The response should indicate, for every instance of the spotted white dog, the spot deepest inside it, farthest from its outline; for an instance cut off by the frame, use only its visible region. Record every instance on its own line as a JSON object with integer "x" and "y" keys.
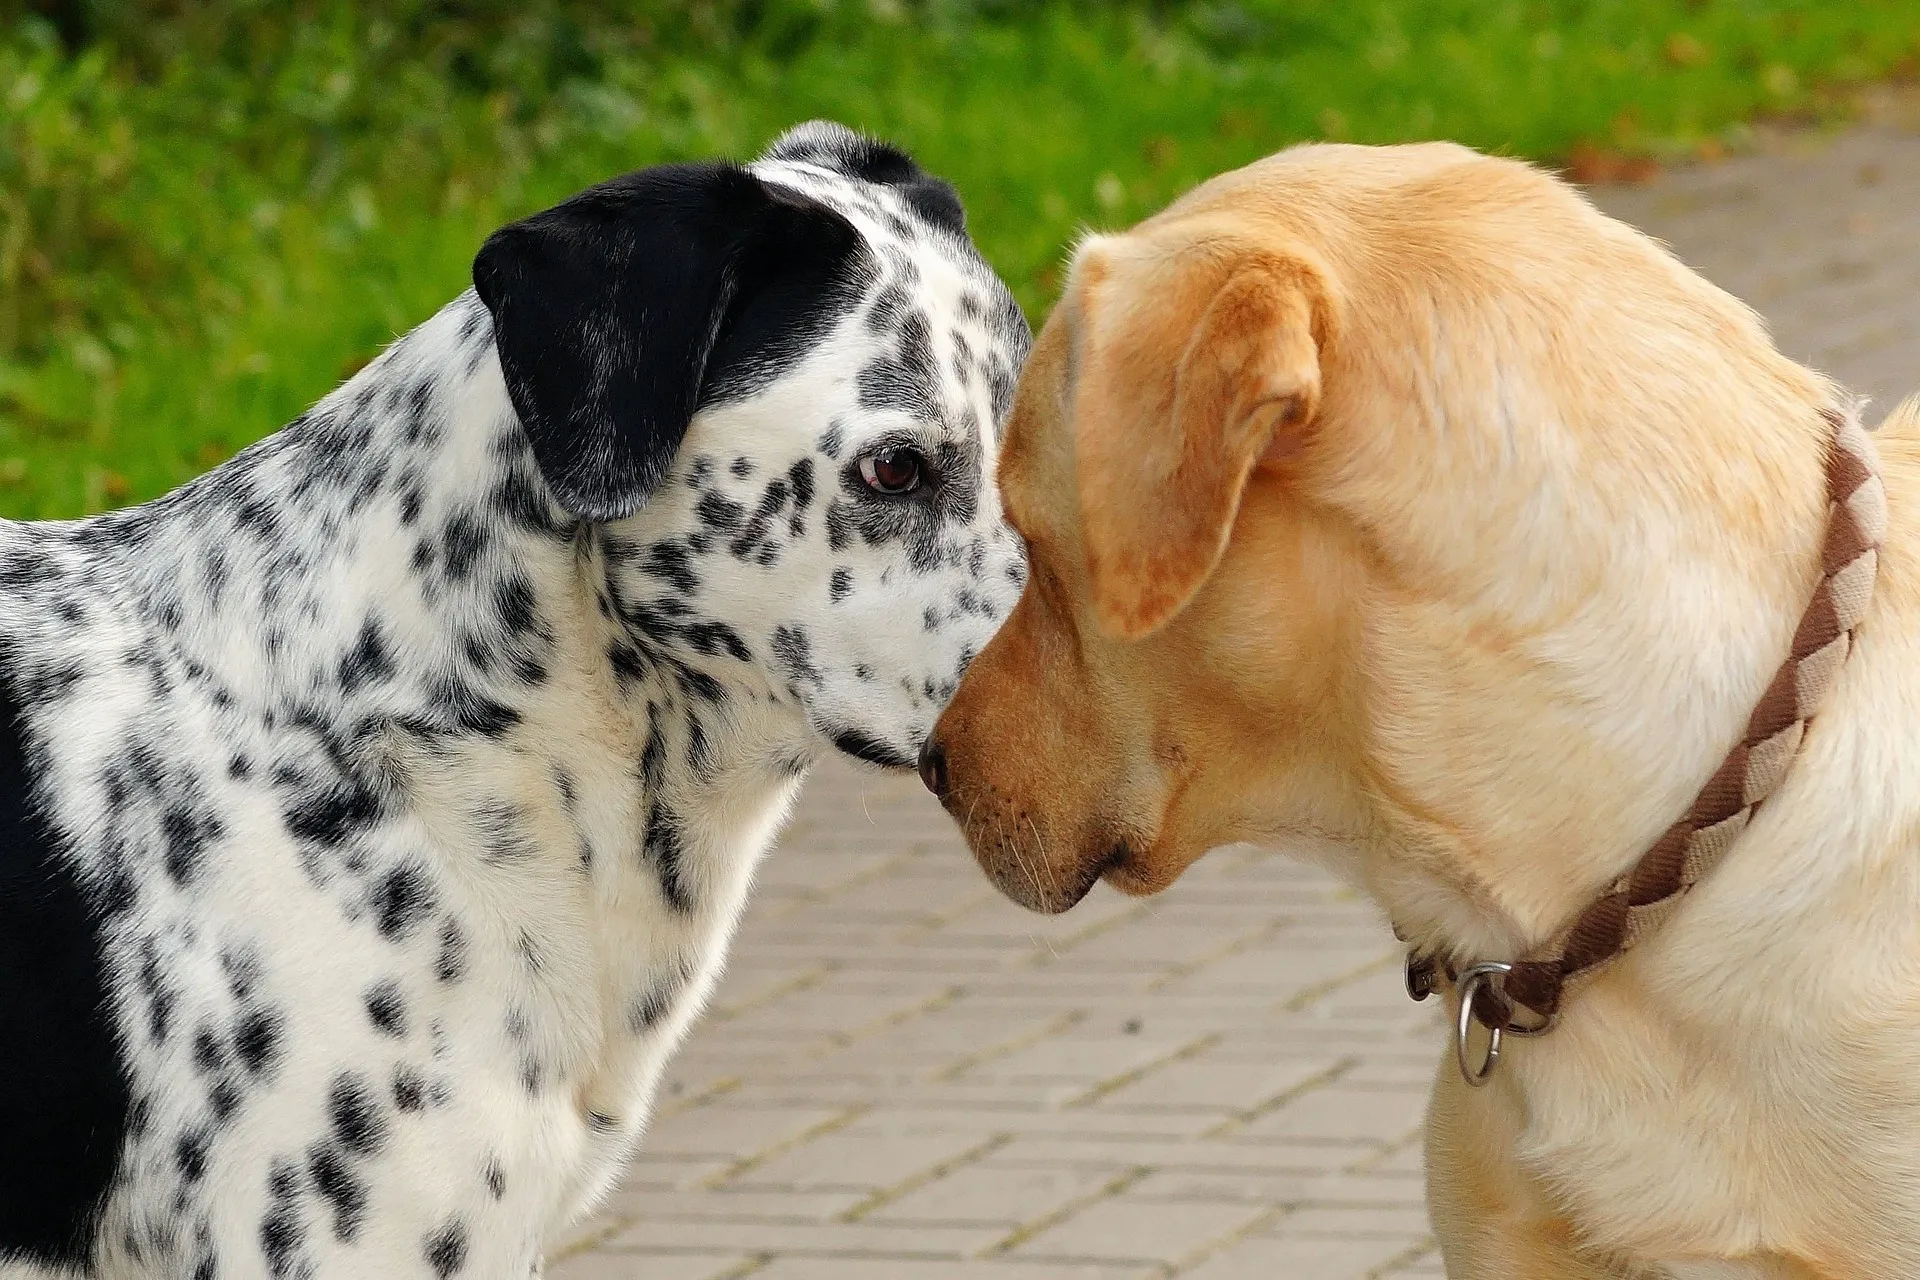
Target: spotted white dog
{"x": 377, "y": 808}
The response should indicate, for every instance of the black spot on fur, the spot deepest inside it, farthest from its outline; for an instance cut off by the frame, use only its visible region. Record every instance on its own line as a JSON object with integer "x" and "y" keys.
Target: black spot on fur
{"x": 282, "y": 1233}
{"x": 664, "y": 848}
{"x": 409, "y": 1090}
{"x": 463, "y": 539}
{"x": 190, "y": 1154}
{"x": 368, "y": 662}
{"x": 187, "y": 831}
{"x": 329, "y": 813}
{"x": 793, "y": 654}
{"x": 357, "y": 1123}
{"x": 450, "y": 965}
{"x": 400, "y": 898}
{"x": 862, "y": 747}
{"x": 446, "y": 1249}
{"x": 387, "y": 1008}
{"x": 334, "y": 1179}
{"x": 256, "y": 1040}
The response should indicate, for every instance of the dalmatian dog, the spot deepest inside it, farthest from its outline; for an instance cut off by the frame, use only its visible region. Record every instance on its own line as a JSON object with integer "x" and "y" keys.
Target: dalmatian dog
{"x": 378, "y": 807}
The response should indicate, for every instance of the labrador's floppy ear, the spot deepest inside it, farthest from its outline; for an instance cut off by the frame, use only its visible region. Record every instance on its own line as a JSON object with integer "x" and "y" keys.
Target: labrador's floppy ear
{"x": 608, "y": 311}
{"x": 1190, "y": 368}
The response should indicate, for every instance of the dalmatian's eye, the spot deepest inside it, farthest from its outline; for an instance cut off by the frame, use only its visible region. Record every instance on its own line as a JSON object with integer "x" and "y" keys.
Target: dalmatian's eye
{"x": 893, "y": 471}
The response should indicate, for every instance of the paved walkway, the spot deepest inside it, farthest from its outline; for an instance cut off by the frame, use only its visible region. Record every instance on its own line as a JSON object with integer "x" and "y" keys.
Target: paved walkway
{"x": 907, "y": 1078}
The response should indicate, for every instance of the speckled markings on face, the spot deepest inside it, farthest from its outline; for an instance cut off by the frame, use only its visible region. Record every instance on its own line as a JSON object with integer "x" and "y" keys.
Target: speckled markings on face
{"x": 378, "y": 822}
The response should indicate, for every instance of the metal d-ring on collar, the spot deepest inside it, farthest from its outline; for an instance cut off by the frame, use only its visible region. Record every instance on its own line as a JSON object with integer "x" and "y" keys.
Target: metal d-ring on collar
{"x": 1423, "y": 979}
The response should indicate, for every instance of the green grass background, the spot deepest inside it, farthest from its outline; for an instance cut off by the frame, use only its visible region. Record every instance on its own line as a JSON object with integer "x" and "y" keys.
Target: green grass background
{"x": 213, "y": 210}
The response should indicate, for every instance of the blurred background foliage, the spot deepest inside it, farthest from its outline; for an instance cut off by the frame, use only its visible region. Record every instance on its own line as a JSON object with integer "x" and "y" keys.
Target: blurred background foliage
{"x": 213, "y": 210}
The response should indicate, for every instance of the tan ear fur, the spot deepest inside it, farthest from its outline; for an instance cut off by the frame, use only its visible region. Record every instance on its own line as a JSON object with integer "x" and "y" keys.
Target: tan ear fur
{"x": 1190, "y": 370}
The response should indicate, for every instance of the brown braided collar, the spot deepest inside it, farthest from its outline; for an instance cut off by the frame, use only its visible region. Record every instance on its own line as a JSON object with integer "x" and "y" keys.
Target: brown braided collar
{"x": 1638, "y": 901}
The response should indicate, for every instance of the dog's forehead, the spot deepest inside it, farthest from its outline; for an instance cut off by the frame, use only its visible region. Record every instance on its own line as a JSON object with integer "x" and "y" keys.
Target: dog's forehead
{"x": 944, "y": 331}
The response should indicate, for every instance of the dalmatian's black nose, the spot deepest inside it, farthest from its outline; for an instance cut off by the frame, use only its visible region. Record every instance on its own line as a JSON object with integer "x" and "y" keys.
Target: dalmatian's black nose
{"x": 933, "y": 769}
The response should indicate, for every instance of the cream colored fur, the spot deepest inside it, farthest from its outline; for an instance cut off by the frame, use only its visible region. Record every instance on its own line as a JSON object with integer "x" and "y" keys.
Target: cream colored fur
{"x": 1480, "y": 620}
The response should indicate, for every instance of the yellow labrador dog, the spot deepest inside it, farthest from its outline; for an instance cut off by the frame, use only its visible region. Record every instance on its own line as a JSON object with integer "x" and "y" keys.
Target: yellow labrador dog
{"x": 1396, "y": 506}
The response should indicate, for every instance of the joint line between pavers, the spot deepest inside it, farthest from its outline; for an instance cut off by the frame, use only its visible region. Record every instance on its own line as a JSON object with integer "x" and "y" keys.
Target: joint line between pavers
{"x": 913, "y": 1182}
{"x": 719, "y": 1088}
{"x": 1301, "y": 999}
{"x": 1021, "y": 1234}
{"x": 758, "y": 1158}
{"x": 1261, "y": 1223}
{"x": 1243, "y": 1118}
{"x": 1101, "y": 1088}
{"x": 814, "y": 897}
{"x": 800, "y": 982}
{"x": 1057, "y": 945}
{"x": 1368, "y": 1163}
{"x": 1412, "y": 1253}
{"x": 1065, "y": 1022}
{"x": 1188, "y": 968}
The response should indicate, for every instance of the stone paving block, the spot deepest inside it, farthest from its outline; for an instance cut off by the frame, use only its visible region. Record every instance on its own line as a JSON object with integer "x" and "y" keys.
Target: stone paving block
{"x": 1272, "y": 1187}
{"x": 1364, "y": 1221}
{"x": 987, "y": 1193}
{"x": 865, "y": 1157}
{"x": 851, "y": 1239}
{"x": 1084, "y": 1059}
{"x": 733, "y": 1132}
{"x": 1337, "y": 1113}
{"x": 731, "y": 1204}
{"x": 1265, "y": 1258}
{"x": 1124, "y": 1229}
{"x": 607, "y": 1265}
{"x": 1221, "y": 1156}
{"x": 1211, "y": 1084}
{"x": 976, "y": 1269}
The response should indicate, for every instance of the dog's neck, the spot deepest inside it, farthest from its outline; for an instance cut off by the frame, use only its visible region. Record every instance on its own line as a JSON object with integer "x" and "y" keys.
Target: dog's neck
{"x": 1673, "y": 687}
{"x": 392, "y": 565}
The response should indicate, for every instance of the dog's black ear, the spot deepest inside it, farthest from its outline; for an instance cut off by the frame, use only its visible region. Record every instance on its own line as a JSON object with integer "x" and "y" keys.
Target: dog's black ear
{"x": 608, "y": 309}
{"x": 834, "y": 146}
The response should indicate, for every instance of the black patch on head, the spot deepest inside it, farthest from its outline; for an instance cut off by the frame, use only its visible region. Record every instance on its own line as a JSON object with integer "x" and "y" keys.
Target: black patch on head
{"x": 64, "y": 1099}
{"x": 618, "y": 313}
{"x": 840, "y": 584}
{"x": 495, "y": 1177}
{"x": 836, "y": 147}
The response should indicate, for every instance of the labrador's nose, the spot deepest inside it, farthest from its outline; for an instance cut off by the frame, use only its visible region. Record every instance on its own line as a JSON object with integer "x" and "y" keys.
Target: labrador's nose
{"x": 933, "y": 769}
